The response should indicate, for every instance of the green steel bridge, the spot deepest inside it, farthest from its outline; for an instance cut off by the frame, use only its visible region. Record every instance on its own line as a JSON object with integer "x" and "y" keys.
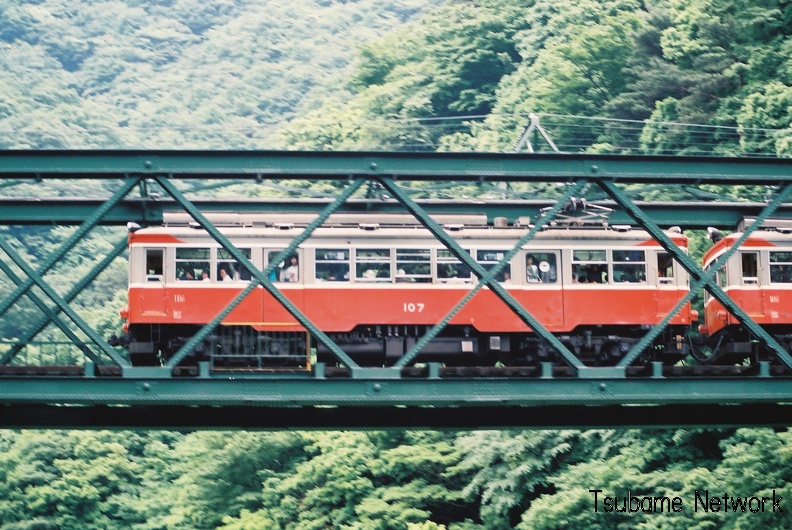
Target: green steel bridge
{"x": 97, "y": 386}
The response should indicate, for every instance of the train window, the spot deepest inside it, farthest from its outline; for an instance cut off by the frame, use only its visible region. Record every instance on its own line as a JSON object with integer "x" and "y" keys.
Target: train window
{"x": 229, "y": 269}
{"x": 450, "y": 269}
{"x": 155, "y": 258}
{"x": 541, "y": 267}
{"x": 750, "y": 267}
{"x": 372, "y": 265}
{"x": 288, "y": 271}
{"x": 589, "y": 266}
{"x": 193, "y": 263}
{"x": 490, "y": 258}
{"x": 413, "y": 265}
{"x": 332, "y": 265}
{"x": 781, "y": 267}
{"x": 629, "y": 266}
{"x": 665, "y": 267}
{"x": 721, "y": 277}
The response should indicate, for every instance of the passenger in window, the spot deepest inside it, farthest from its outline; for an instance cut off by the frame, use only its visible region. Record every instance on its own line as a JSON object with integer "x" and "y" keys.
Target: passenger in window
{"x": 188, "y": 275}
{"x": 291, "y": 273}
{"x": 547, "y": 272}
{"x": 506, "y": 278}
{"x": 205, "y": 276}
{"x": 531, "y": 270}
{"x": 224, "y": 276}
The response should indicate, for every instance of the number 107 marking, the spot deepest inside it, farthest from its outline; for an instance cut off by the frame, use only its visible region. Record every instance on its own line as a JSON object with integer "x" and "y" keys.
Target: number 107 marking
{"x": 410, "y": 307}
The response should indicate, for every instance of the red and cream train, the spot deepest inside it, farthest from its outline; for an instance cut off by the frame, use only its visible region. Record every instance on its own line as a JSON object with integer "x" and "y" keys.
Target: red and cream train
{"x": 376, "y": 283}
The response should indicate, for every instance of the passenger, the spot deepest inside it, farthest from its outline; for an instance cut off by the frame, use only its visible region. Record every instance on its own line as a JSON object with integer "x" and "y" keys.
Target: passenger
{"x": 188, "y": 275}
{"x": 224, "y": 276}
{"x": 401, "y": 276}
{"x": 506, "y": 277}
{"x": 205, "y": 276}
{"x": 531, "y": 271}
{"x": 549, "y": 274}
{"x": 291, "y": 273}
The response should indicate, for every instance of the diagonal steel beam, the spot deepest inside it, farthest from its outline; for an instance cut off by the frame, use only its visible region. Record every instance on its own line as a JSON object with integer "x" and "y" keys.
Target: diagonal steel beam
{"x": 259, "y": 277}
{"x": 487, "y": 280}
{"x": 706, "y": 279}
{"x": 465, "y": 257}
{"x": 39, "y": 326}
{"x": 61, "y": 303}
{"x": 52, "y": 316}
{"x": 693, "y": 269}
{"x": 67, "y": 245}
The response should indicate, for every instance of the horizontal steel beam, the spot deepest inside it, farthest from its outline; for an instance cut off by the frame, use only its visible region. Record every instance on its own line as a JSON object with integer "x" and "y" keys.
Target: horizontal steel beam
{"x": 409, "y": 166}
{"x": 69, "y": 211}
{"x": 280, "y": 418}
{"x": 280, "y": 391}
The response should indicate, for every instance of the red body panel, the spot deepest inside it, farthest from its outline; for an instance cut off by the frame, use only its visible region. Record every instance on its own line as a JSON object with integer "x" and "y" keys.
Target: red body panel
{"x": 765, "y": 305}
{"x": 342, "y": 308}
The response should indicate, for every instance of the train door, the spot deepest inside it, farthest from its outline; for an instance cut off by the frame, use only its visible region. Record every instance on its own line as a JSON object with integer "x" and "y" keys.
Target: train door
{"x": 289, "y": 277}
{"x": 154, "y": 293}
{"x": 668, "y": 290}
{"x": 749, "y": 293}
{"x": 544, "y": 295}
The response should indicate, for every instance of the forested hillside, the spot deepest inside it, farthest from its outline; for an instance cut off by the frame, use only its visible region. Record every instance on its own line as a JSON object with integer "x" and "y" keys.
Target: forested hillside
{"x": 174, "y": 74}
{"x": 665, "y": 77}
{"x": 627, "y": 76}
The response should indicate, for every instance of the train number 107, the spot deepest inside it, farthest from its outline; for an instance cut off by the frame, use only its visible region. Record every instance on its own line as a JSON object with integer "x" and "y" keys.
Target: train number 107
{"x": 410, "y": 307}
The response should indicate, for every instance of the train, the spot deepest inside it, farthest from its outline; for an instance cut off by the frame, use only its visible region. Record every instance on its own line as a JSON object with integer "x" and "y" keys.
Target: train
{"x": 375, "y": 284}
{"x": 758, "y": 278}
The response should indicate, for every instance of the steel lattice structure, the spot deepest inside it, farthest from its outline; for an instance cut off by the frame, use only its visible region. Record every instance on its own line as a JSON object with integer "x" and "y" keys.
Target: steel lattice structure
{"x": 279, "y": 399}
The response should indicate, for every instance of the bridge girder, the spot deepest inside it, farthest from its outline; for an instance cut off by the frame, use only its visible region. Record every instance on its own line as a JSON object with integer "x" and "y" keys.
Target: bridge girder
{"x": 381, "y": 387}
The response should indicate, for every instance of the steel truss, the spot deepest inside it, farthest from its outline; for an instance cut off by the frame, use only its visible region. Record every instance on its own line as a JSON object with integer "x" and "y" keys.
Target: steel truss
{"x": 107, "y": 378}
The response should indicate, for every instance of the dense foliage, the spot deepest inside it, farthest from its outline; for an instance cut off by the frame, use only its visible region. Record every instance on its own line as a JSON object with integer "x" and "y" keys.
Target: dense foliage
{"x": 173, "y": 73}
{"x": 385, "y": 480}
{"x": 665, "y": 76}
{"x": 693, "y": 76}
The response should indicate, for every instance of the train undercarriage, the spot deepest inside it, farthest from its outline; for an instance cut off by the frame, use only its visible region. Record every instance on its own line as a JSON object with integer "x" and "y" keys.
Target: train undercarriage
{"x": 384, "y": 345}
{"x": 737, "y": 345}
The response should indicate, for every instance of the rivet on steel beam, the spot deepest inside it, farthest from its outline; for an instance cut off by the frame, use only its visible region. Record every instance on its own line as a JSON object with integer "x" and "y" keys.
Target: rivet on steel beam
{"x": 603, "y": 387}
{"x": 146, "y": 387}
{"x": 373, "y": 165}
{"x": 594, "y": 169}
{"x": 148, "y": 164}
{"x": 377, "y": 387}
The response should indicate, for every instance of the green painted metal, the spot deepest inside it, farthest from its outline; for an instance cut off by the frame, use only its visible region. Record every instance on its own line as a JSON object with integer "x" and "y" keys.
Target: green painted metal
{"x": 706, "y": 278}
{"x": 695, "y": 271}
{"x": 50, "y": 316}
{"x": 39, "y": 326}
{"x": 259, "y": 277}
{"x": 276, "y": 390}
{"x": 379, "y": 387}
{"x": 67, "y": 245}
{"x": 470, "y": 167}
{"x": 480, "y": 272}
{"x": 488, "y": 278}
{"x": 62, "y": 304}
{"x": 69, "y": 211}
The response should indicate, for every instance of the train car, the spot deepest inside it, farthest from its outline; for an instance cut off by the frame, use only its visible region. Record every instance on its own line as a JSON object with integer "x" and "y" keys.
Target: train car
{"x": 376, "y": 283}
{"x": 758, "y": 278}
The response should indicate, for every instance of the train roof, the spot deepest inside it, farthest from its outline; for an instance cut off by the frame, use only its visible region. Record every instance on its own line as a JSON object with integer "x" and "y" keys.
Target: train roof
{"x": 369, "y": 228}
{"x": 768, "y": 236}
